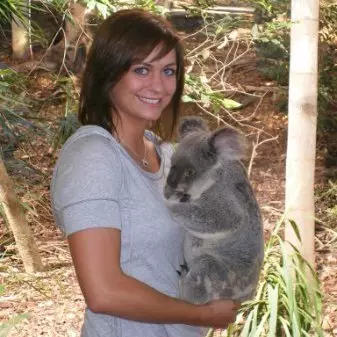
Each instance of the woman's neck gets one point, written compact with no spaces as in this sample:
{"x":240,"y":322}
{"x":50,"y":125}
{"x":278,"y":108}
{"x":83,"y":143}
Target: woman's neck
{"x":131,"y":138}
{"x":131,"y":135}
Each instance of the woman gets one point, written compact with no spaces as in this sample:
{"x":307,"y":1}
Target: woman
{"x":107,"y":187}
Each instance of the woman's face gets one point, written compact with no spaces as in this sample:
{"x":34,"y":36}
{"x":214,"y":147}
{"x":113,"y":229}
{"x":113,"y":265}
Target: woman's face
{"x":147,"y":88}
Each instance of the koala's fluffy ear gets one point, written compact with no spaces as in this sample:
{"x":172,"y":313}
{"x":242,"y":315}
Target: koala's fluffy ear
{"x":228,"y":143}
{"x":191,"y":124}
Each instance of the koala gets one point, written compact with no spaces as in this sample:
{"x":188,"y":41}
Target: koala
{"x":209,"y":194}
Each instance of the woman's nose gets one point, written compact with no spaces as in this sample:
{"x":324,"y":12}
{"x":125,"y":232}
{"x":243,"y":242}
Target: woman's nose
{"x":157,"y":83}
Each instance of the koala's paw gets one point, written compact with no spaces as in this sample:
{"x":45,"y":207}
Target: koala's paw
{"x":184,"y":197}
{"x":183,"y":270}
{"x":177,"y":197}
{"x":181,"y":196}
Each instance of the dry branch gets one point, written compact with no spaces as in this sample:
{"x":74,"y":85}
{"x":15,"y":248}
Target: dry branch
{"x":250,"y":88}
{"x":254,"y":152}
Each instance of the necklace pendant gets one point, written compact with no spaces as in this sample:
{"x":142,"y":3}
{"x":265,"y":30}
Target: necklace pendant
{"x":145,"y":163}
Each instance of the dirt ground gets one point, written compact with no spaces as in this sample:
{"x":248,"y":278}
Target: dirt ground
{"x":52,"y":299}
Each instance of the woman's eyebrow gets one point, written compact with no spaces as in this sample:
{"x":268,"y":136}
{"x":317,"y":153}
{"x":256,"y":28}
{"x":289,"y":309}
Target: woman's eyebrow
{"x":151,"y":65}
{"x":171,"y":64}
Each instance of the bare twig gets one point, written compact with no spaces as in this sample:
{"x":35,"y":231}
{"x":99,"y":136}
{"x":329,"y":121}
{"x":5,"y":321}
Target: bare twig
{"x":248,"y":118}
{"x":217,"y":117}
{"x":254,"y":152}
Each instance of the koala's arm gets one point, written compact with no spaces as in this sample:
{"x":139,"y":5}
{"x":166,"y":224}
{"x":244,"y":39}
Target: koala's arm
{"x":190,"y":215}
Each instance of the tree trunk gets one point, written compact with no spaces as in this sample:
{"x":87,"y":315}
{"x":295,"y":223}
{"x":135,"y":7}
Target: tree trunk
{"x":18,"y":224}
{"x":302,"y":113}
{"x":68,"y":54}
{"x":21,"y":45}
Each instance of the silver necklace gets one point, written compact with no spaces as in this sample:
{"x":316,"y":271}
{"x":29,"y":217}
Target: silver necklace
{"x":143,"y":160}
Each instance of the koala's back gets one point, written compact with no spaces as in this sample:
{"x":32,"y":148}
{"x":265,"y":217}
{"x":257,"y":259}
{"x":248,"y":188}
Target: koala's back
{"x":224,"y":254}
{"x":229,"y":203}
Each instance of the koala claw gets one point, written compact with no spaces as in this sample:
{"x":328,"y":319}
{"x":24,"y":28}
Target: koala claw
{"x":184,"y":267}
{"x":183,"y":270}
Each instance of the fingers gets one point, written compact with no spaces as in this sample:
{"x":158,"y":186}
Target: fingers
{"x":237,"y":305}
{"x":221,"y":328}
{"x":222,"y":312}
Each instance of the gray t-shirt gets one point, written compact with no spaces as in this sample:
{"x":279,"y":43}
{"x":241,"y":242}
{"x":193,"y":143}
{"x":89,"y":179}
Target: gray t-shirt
{"x":97,"y":184}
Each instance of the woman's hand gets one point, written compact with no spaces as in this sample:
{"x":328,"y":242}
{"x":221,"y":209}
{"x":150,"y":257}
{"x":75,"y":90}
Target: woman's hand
{"x":220,"y":313}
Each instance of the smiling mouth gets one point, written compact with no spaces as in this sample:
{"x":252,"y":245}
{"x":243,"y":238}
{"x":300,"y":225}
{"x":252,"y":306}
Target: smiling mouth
{"x":149,"y":100}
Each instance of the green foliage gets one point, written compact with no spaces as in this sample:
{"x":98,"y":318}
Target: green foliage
{"x":271,"y":34}
{"x":11,"y":83}
{"x":198,"y":91}
{"x":103,"y":7}
{"x":332,"y":212}
{"x":67,"y":126}
{"x":328,"y":21}
{"x":150,"y":5}
{"x":204,"y":79}
{"x":267,"y":10}
{"x":24,"y":13}
{"x":286,"y":303}
{"x":6,"y":326}
{"x":69,"y":123}
{"x":203,"y":4}
{"x":11,"y":8}
{"x":106,"y":7}
{"x":13,"y":102}
{"x":327,"y":90}
{"x":274,"y":36}
{"x":326,"y":204}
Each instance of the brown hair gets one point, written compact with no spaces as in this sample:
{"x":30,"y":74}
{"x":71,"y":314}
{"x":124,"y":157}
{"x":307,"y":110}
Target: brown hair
{"x":123,"y":38}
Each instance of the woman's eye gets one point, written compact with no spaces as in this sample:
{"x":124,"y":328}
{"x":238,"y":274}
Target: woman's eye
{"x":141,"y":70}
{"x":169,"y":71}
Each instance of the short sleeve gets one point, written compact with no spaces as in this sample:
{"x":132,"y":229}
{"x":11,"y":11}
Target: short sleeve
{"x":86,"y":185}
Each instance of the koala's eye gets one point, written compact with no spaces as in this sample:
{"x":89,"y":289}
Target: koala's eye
{"x":189,"y":172}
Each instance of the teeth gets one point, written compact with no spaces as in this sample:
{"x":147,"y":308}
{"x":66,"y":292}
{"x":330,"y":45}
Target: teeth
{"x":149,"y":100}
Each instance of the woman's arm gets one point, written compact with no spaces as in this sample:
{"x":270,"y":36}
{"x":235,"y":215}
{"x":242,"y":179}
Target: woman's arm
{"x":106,"y":289}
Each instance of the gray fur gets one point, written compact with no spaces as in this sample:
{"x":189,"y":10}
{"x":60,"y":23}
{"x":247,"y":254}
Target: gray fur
{"x":188,"y":125}
{"x":209,"y":194}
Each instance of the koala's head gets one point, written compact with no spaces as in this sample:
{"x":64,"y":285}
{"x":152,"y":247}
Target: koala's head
{"x":199,"y":151}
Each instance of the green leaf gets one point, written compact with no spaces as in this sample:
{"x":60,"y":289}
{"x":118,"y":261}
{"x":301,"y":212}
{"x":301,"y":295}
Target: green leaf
{"x":285,"y":325}
{"x":273,"y":309}
{"x":187,"y":99}
{"x":247,"y":326}
{"x":296,"y":229}
{"x":9,"y":324}
{"x":230,"y":104}
{"x":205,"y":99}
{"x":91,"y":5}
{"x":260,"y":329}
{"x":103,"y":9}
